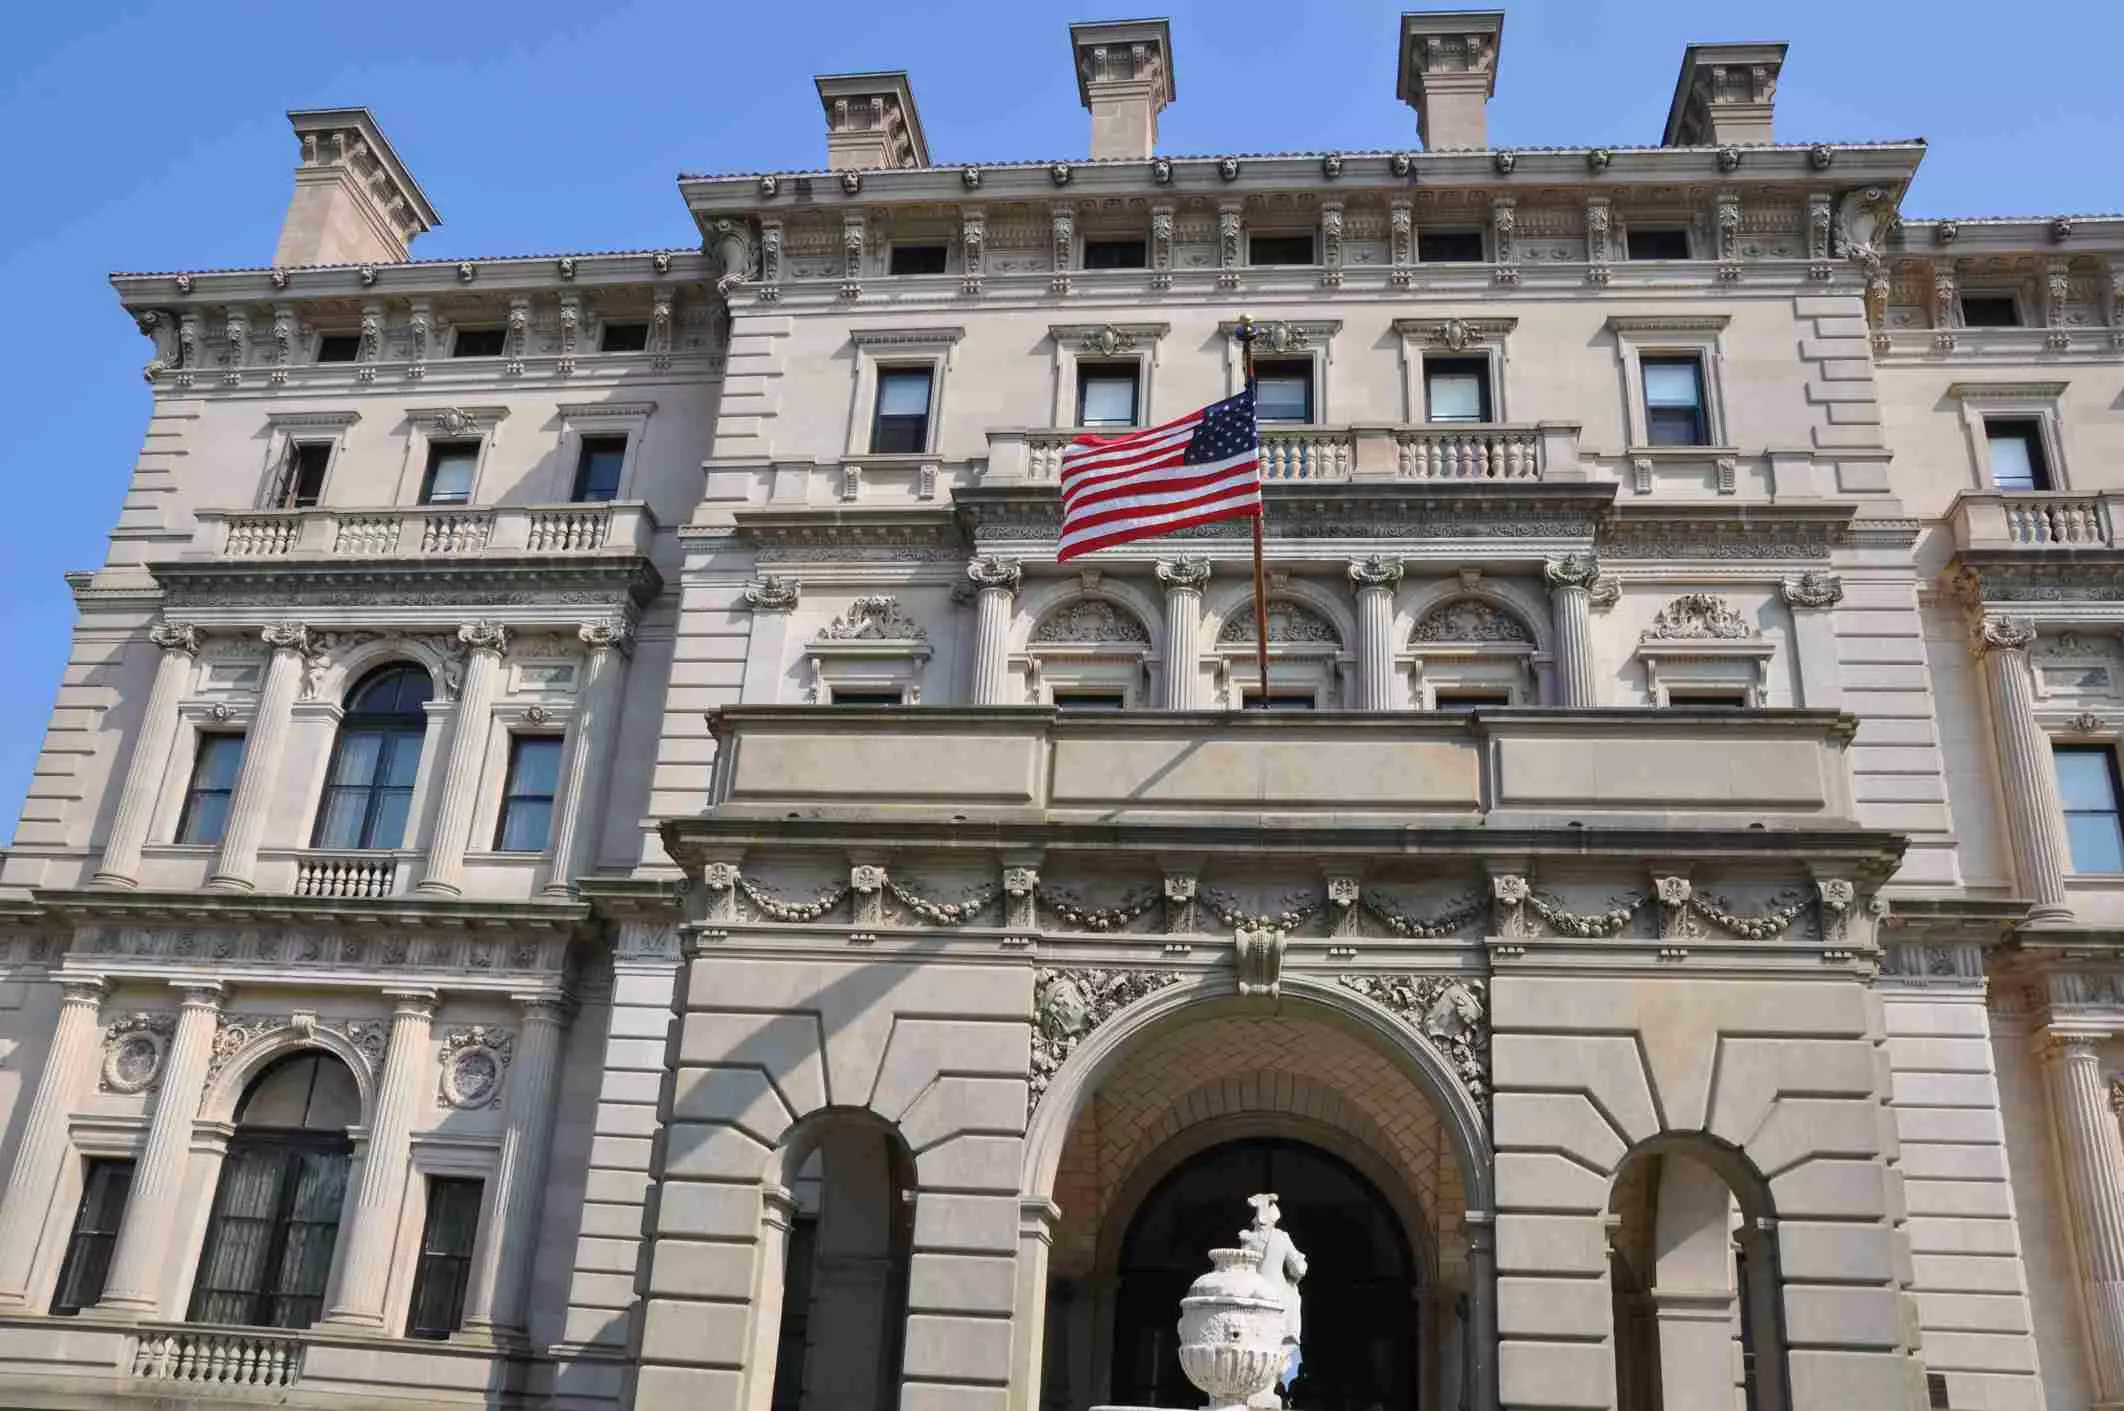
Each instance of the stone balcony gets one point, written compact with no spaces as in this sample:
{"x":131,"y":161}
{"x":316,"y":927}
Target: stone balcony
{"x":1487,"y":452}
{"x":426,"y":531}
{"x":967,"y":769}
{"x":1991,"y":521}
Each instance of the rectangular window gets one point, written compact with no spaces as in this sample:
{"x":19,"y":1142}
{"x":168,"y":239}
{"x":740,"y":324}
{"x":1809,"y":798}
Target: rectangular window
{"x":597,"y":468}
{"x":1281,"y":700}
{"x":2087,"y":786}
{"x":478,"y":342}
{"x":1708,"y":700}
{"x":449,"y":477}
{"x":1991,"y":311}
{"x":274,"y":1225}
{"x":623,"y":338}
{"x":1091,"y":700}
{"x":2017,"y":460}
{"x":1674,"y":402}
{"x":305,"y":476}
{"x":104,"y":1185}
{"x":445,"y":1262}
{"x":527,"y":800}
{"x":339,"y":347}
{"x":853,"y":697}
{"x":1471,"y":700}
{"x":1283,"y":389}
{"x":206,"y":797}
{"x":917,"y":259}
{"x":1116,"y":254}
{"x":1456,"y":389}
{"x":1657,"y":243}
{"x":1280,"y":249}
{"x":1106,"y":394}
{"x":1449,"y":247}
{"x":901,"y":423}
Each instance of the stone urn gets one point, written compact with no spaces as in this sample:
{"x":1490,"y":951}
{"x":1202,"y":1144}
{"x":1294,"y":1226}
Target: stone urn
{"x":1231,"y":1333}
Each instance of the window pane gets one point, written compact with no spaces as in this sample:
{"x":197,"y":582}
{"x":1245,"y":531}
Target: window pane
{"x":339,"y":818}
{"x":597,"y":473}
{"x":2097,"y":844}
{"x":306,"y":473}
{"x":623,"y":338}
{"x":1108,"y":399}
{"x":2011,"y":466}
{"x":1116,"y":254}
{"x":1449,"y":247}
{"x":206,"y":818}
{"x":1656,"y":244}
{"x":219,"y":758}
{"x":1991,"y":311}
{"x":1456,"y":396}
{"x":447,"y":1237}
{"x":527,"y":825}
{"x":903,"y":392}
{"x":534,"y":766}
{"x":1283,"y":391}
{"x":1280,"y":250}
{"x":387,"y":819}
{"x":478,"y":343}
{"x":401,"y":760}
{"x":2085,"y":780}
{"x":104,"y":1187}
{"x":450,"y":474}
{"x":1674,"y":426}
{"x":339,"y":347}
{"x":359,"y":751}
{"x":1671,"y":384}
{"x":917,"y":259}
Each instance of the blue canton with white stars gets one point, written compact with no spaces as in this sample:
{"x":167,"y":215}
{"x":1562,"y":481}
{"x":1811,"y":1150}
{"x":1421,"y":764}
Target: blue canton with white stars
{"x":1227,"y":429}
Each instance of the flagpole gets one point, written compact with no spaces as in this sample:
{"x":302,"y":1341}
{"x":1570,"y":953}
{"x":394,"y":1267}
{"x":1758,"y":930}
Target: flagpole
{"x":1246,"y":342}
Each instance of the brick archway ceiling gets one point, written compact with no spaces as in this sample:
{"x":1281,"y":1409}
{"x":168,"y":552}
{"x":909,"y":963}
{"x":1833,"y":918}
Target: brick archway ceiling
{"x":1221,"y":1067}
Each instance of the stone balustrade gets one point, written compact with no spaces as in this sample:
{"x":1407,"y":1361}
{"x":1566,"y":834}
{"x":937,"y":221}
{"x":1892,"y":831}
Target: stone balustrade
{"x":1415,"y":451}
{"x":219,"y":1357}
{"x":2034,"y":519}
{"x":426,"y":530}
{"x":343,"y":874}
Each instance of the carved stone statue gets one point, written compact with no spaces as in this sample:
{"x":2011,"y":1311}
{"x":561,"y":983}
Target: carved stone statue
{"x":1239,"y":1323}
{"x":1283,"y":1266}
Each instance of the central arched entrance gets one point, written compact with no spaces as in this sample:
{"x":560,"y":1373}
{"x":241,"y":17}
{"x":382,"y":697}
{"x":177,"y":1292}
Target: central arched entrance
{"x":1361,"y":1319}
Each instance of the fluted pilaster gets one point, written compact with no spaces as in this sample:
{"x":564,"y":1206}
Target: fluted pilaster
{"x":2028,"y":781}
{"x":587,"y":766}
{"x":468,"y":747}
{"x":373,"y":1216}
{"x":2091,"y":1174}
{"x":120,"y":866}
{"x":996,"y":585}
{"x":1375,"y":578}
{"x":494,"y":1303}
{"x":1183,"y":580}
{"x":139,"y":1262}
{"x":44,"y":1136}
{"x":1575,"y":584}
{"x":236,"y":865}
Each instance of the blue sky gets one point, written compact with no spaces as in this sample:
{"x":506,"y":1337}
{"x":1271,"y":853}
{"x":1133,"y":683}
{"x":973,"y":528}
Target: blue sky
{"x":150,"y":136}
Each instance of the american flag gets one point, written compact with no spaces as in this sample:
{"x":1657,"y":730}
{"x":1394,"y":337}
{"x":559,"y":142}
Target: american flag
{"x":1205,"y":466}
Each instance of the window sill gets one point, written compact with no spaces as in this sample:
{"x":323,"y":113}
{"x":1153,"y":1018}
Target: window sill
{"x":1680,"y":453}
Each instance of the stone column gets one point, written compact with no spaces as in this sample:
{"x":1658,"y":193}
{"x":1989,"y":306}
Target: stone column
{"x":1575,"y":583}
{"x":1375,"y":578}
{"x":1481,"y":1374}
{"x":236,"y":865}
{"x":770,"y":1271}
{"x":373,"y":1215}
{"x":1036,"y":1237}
{"x":2028,"y":781}
{"x":1183,"y":580}
{"x":151,"y":755}
{"x":1812,"y":598}
{"x":579,"y":815}
{"x":996,"y":582}
{"x":44,"y":1136}
{"x":139,"y":1262}
{"x":2091,"y":1176}
{"x":468,"y":748}
{"x":494,"y":1303}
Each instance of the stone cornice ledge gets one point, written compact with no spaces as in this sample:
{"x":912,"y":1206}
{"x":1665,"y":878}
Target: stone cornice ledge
{"x":536,"y":586}
{"x":82,"y":906}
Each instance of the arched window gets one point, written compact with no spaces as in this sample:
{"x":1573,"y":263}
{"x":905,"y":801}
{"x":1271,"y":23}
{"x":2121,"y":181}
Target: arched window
{"x":369,"y":790}
{"x":276,"y":1215}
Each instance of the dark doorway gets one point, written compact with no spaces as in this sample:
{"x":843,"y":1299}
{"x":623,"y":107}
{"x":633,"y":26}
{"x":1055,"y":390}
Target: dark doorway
{"x":1362,"y":1323}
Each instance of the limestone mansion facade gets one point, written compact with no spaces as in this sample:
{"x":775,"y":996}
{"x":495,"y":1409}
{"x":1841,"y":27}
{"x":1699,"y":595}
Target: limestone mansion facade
{"x":588,"y":856}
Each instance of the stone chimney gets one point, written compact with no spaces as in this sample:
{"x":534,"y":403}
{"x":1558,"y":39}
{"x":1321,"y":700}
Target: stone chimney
{"x":1449,"y":72}
{"x":871,"y":122}
{"x":354,"y":202}
{"x":1125,"y":76}
{"x":1724,"y":95}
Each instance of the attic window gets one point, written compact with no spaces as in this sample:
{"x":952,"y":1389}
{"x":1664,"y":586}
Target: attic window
{"x":917,"y":259}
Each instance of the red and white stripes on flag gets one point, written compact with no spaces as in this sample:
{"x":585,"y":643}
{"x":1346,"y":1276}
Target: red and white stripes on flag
{"x":1203,"y":467}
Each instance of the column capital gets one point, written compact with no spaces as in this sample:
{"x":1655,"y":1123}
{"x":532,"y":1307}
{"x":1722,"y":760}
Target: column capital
{"x":202,"y":994}
{"x":777,"y":592}
{"x":1184,"y":574}
{"x":1377,"y":571}
{"x":1997,"y":632}
{"x":177,"y":637}
{"x":84,"y":989}
{"x":290,"y":637}
{"x":542,"y":1007}
{"x":484,"y":636}
{"x":2052,"y":1044}
{"x":991,"y":572}
{"x":607,"y":634}
{"x":412,"y":1003}
{"x":1812,"y":589}
{"x":1572,"y":571}
{"x":1037,"y":1219}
